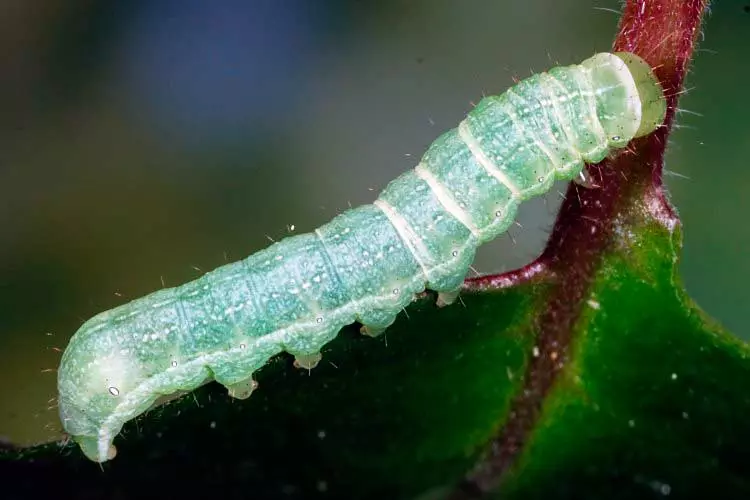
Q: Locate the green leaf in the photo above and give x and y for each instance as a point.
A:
(652, 400)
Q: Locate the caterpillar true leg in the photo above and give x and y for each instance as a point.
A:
(585, 179)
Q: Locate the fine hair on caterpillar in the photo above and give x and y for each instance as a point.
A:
(366, 264)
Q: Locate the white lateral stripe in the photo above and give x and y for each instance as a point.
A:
(410, 239)
(445, 199)
(531, 135)
(465, 135)
(592, 107)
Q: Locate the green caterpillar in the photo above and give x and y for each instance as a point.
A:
(365, 265)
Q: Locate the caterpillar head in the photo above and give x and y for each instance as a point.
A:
(630, 100)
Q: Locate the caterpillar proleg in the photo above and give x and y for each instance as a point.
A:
(367, 263)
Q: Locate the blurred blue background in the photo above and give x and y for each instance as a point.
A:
(143, 143)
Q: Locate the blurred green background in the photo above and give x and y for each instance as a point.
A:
(142, 143)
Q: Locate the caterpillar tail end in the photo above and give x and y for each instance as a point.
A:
(653, 102)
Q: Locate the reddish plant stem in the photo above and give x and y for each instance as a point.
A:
(663, 32)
